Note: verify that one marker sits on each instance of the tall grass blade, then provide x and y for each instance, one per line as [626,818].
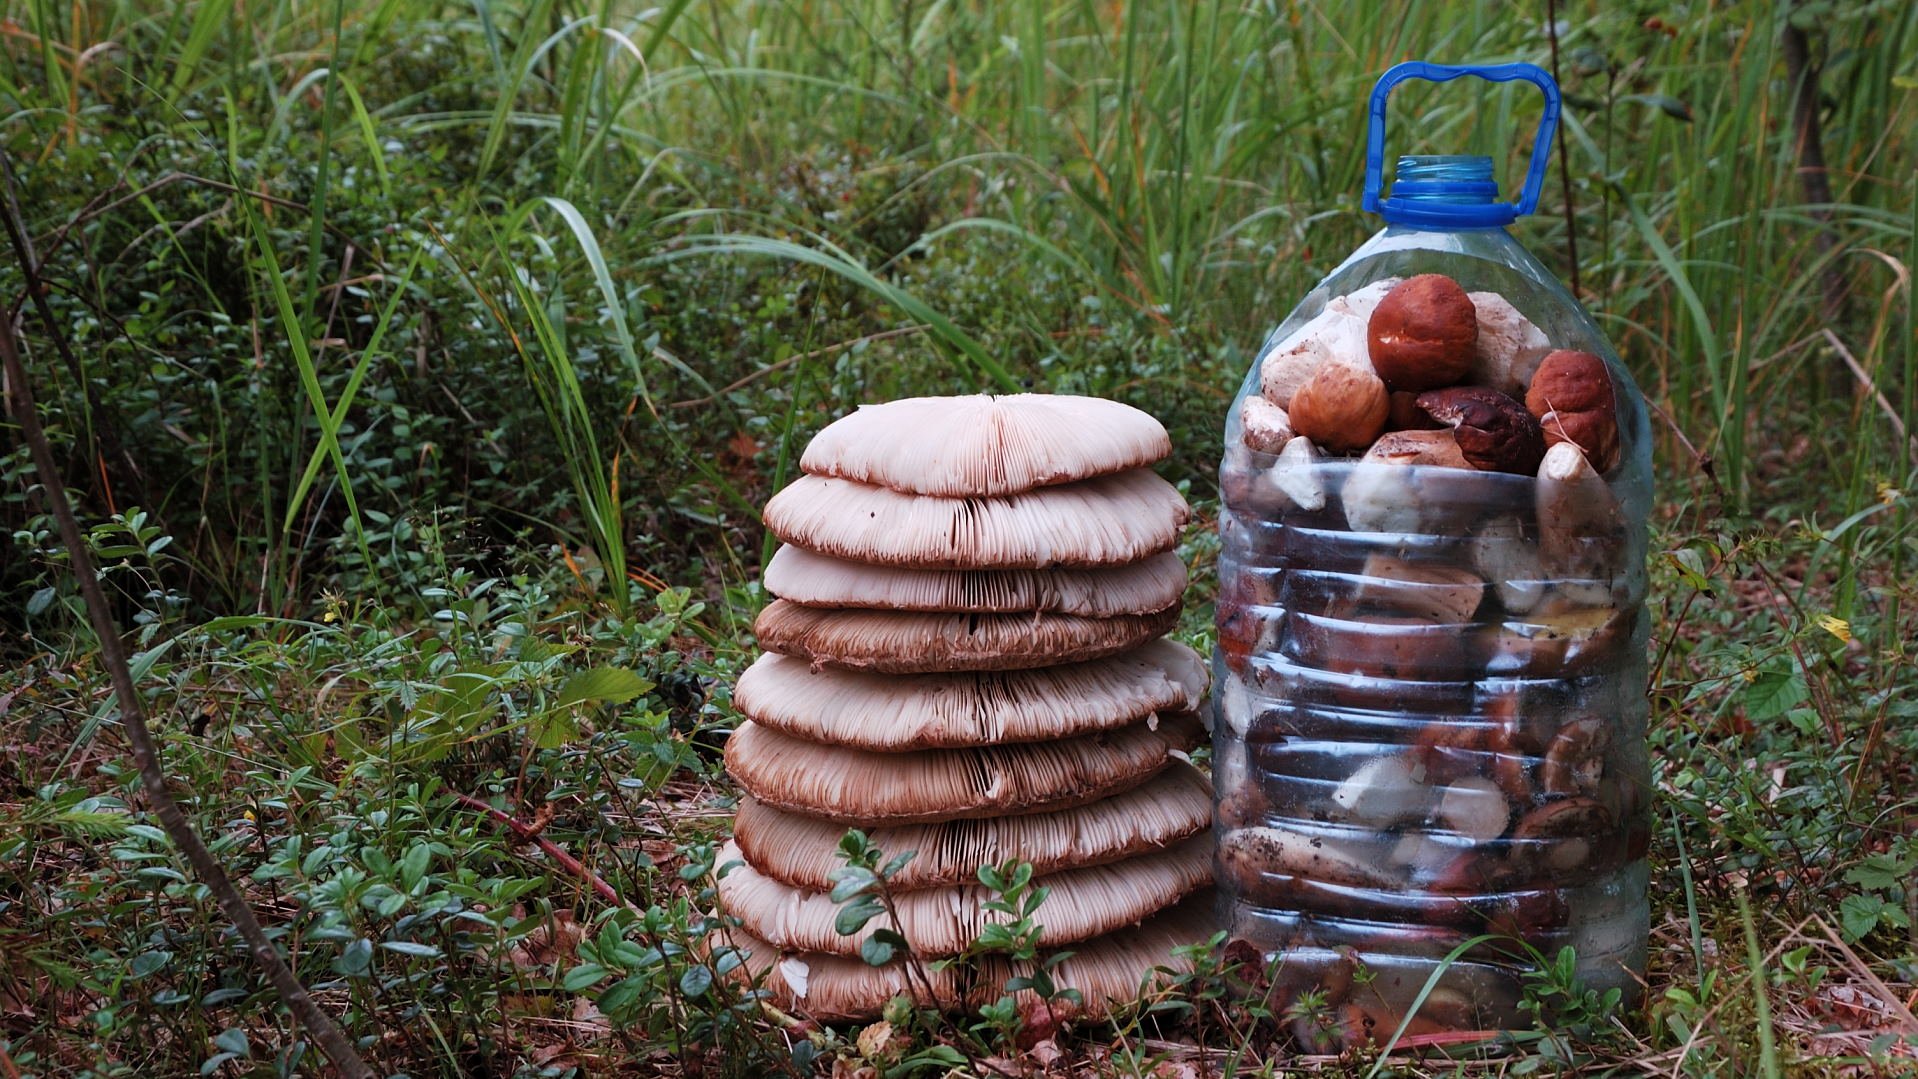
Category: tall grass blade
[332,419]
[843,265]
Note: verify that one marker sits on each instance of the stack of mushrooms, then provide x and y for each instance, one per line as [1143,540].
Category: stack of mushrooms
[964,660]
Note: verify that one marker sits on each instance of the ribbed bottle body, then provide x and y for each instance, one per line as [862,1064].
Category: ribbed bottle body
[1429,747]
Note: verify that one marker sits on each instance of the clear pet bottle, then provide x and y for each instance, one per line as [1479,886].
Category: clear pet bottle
[1429,748]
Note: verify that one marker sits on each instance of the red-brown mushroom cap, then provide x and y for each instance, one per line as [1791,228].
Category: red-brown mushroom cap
[1423,333]
[1573,397]
[894,713]
[1107,970]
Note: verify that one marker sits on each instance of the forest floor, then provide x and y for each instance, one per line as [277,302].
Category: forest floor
[425,366]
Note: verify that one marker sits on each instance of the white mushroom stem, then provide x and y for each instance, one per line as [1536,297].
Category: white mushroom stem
[1580,523]
[1360,303]
[1475,808]
[1506,558]
[1296,475]
[1423,854]
[1383,793]
[1382,493]
[1235,700]
[1265,426]
[1300,854]
[1510,347]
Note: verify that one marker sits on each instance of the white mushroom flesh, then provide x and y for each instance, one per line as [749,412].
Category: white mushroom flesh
[1383,793]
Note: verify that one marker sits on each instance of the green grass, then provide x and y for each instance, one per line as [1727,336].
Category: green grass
[430,357]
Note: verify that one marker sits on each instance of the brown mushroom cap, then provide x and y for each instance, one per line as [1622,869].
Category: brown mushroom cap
[1104,521]
[985,444]
[863,789]
[1423,334]
[945,921]
[1332,337]
[1572,396]
[817,580]
[803,852]
[1494,431]
[1106,970]
[894,713]
[909,642]
[1340,408]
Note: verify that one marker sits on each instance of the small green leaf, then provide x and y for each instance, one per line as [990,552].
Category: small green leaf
[854,915]
[850,881]
[898,863]
[1860,914]
[622,994]
[696,981]
[232,1040]
[148,963]
[414,948]
[584,976]
[880,948]
[355,958]
[414,865]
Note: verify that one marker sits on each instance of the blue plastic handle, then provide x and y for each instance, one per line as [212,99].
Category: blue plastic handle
[1418,69]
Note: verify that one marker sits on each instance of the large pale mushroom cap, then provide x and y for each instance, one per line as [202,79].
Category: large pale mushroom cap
[892,713]
[908,642]
[945,921]
[803,852]
[817,580]
[1107,521]
[862,789]
[985,444]
[1107,971]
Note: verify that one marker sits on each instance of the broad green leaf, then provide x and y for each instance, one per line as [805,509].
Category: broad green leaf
[1774,690]
[1879,871]
[608,685]
[584,976]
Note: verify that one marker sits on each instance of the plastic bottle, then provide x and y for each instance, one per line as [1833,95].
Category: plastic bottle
[1429,751]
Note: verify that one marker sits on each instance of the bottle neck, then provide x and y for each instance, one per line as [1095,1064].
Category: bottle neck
[1445,191]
